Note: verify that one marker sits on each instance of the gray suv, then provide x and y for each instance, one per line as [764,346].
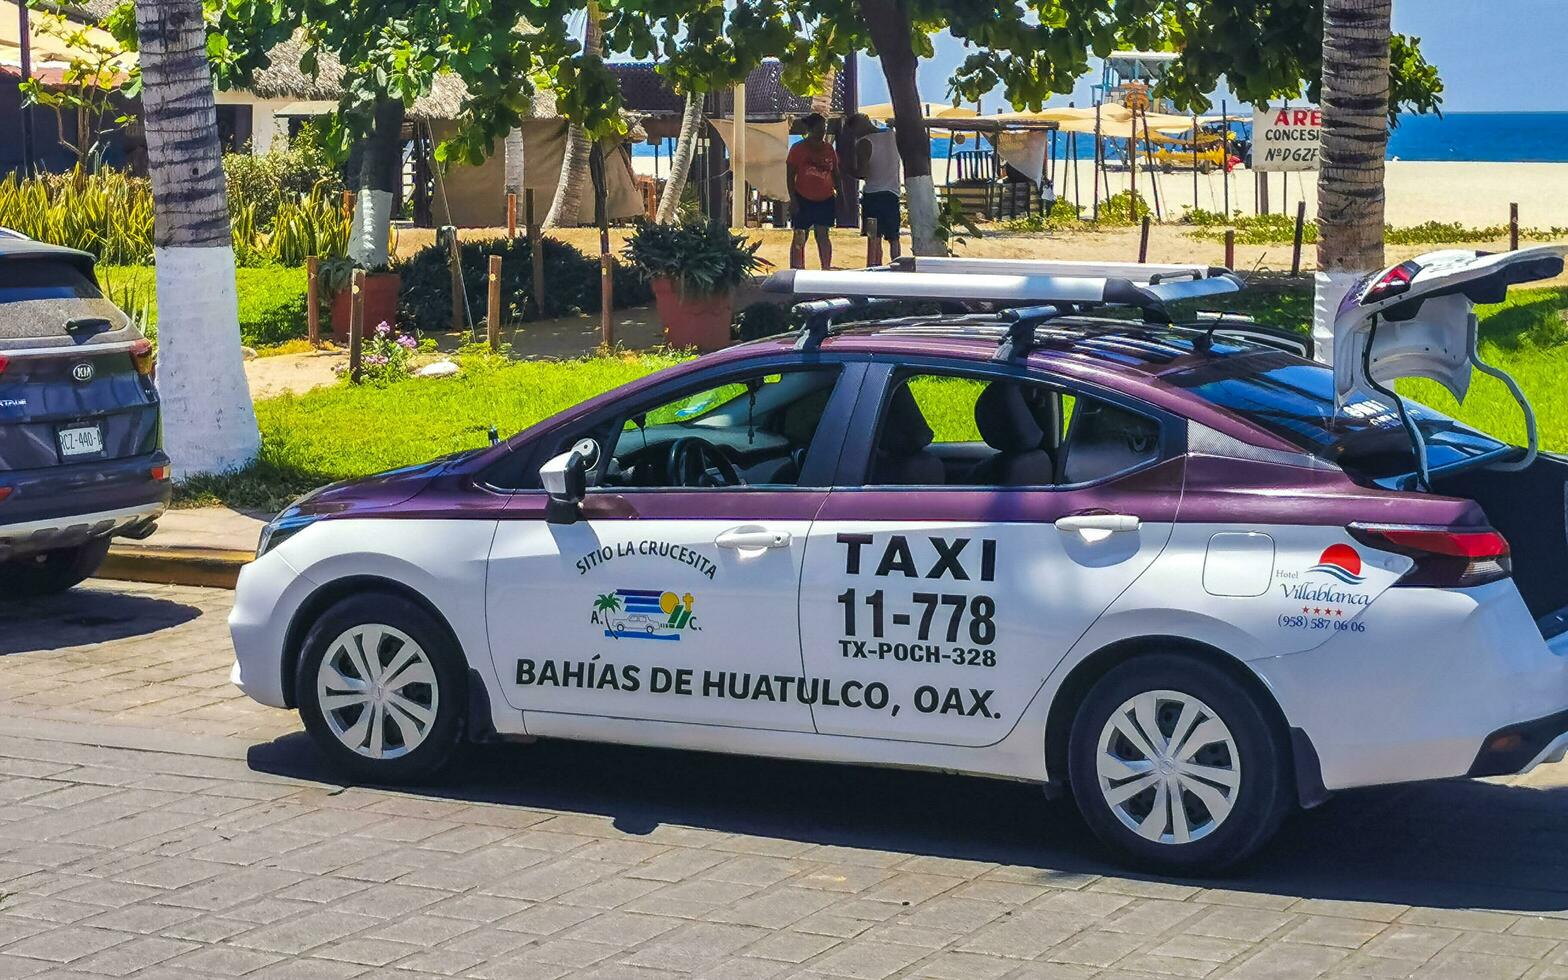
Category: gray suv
[81,457]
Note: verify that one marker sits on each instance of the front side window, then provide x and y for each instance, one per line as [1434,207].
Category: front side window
[956,430]
[752,431]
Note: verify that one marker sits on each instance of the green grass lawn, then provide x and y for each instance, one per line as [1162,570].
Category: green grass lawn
[339,432]
[271,299]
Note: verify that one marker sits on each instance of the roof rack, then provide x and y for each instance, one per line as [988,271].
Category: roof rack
[1147,288]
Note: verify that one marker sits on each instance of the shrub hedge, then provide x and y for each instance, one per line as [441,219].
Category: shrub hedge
[425,300]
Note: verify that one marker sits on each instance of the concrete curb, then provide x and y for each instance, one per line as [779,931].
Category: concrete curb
[216,568]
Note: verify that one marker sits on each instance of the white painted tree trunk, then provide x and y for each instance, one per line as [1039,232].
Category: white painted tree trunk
[514,162]
[920,196]
[1356,39]
[680,163]
[887,21]
[209,424]
[380,170]
[566,208]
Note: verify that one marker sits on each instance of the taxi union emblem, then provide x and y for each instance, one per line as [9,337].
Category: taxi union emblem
[643,614]
[82,371]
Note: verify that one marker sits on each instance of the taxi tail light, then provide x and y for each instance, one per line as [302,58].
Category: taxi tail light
[4,363]
[161,472]
[1445,557]
[143,357]
[1393,282]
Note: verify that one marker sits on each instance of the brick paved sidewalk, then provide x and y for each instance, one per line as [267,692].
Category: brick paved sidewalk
[237,854]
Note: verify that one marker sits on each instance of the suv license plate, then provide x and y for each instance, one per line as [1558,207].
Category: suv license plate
[81,441]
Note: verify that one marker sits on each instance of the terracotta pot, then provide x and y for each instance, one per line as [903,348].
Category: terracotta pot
[380,304]
[693,319]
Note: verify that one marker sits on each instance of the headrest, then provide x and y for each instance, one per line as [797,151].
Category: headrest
[1004,419]
[904,430]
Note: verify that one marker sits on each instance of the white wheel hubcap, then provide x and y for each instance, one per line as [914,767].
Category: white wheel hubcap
[1168,767]
[377,691]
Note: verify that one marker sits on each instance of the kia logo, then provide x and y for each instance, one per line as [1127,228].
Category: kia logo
[82,371]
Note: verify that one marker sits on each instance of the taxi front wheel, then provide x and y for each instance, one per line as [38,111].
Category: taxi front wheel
[380,688]
[1176,766]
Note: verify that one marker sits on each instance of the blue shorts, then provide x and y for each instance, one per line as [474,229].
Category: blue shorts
[814,214]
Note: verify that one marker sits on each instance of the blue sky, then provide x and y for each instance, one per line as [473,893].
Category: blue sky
[1494,55]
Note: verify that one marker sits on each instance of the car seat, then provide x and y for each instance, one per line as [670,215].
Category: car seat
[901,457]
[1104,440]
[1008,425]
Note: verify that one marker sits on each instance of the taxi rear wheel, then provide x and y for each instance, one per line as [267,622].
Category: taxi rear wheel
[380,687]
[1176,766]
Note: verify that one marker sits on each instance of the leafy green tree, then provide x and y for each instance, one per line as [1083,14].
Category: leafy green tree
[392,51]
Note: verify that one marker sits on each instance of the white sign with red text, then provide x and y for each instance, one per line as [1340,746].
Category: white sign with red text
[1286,137]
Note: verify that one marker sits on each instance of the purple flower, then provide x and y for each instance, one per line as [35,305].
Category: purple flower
[375,359]
[406,342]
[383,329]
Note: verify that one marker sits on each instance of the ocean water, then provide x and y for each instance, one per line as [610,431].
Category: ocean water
[1482,136]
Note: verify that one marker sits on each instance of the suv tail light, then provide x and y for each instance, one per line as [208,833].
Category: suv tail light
[143,357]
[1446,557]
[1393,282]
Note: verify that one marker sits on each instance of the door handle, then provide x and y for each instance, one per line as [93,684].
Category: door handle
[752,538]
[1110,523]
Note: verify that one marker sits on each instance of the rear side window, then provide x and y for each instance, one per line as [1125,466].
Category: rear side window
[1294,399]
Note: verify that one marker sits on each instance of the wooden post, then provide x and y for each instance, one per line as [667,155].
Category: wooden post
[606,294]
[1143,241]
[873,244]
[535,249]
[356,325]
[1154,177]
[1295,252]
[348,204]
[1230,248]
[1225,152]
[454,261]
[493,307]
[511,214]
[1262,178]
[1513,227]
[313,300]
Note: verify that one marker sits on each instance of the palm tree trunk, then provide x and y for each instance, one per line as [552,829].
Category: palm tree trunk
[209,424]
[566,209]
[1356,38]
[380,165]
[680,163]
[889,26]
[822,103]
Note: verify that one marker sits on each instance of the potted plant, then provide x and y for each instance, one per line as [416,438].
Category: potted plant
[694,267]
[381,291]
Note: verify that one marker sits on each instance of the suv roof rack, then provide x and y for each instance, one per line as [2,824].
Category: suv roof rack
[1023,283]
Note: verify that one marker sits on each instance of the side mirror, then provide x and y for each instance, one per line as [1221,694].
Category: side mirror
[565,477]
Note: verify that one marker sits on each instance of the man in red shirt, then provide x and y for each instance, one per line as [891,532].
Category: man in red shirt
[812,171]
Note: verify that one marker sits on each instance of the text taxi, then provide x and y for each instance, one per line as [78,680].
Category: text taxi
[1168,567]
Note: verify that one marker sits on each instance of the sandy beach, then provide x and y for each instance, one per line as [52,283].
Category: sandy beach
[1472,194]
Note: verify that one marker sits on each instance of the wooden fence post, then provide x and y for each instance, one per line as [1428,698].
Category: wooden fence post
[1513,227]
[511,214]
[348,205]
[535,250]
[493,308]
[356,325]
[873,244]
[454,261]
[1295,251]
[313,300]
[1230,248]
[1143,241]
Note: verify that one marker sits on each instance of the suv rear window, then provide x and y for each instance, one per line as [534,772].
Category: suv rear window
[1294,399]
[38,296]
[44,279]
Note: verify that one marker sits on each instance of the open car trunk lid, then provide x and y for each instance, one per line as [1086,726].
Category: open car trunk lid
[1417,319]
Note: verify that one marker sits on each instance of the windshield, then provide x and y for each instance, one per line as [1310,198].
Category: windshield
[1294,399]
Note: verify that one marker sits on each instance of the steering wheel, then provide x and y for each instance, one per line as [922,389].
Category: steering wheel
[695,462]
